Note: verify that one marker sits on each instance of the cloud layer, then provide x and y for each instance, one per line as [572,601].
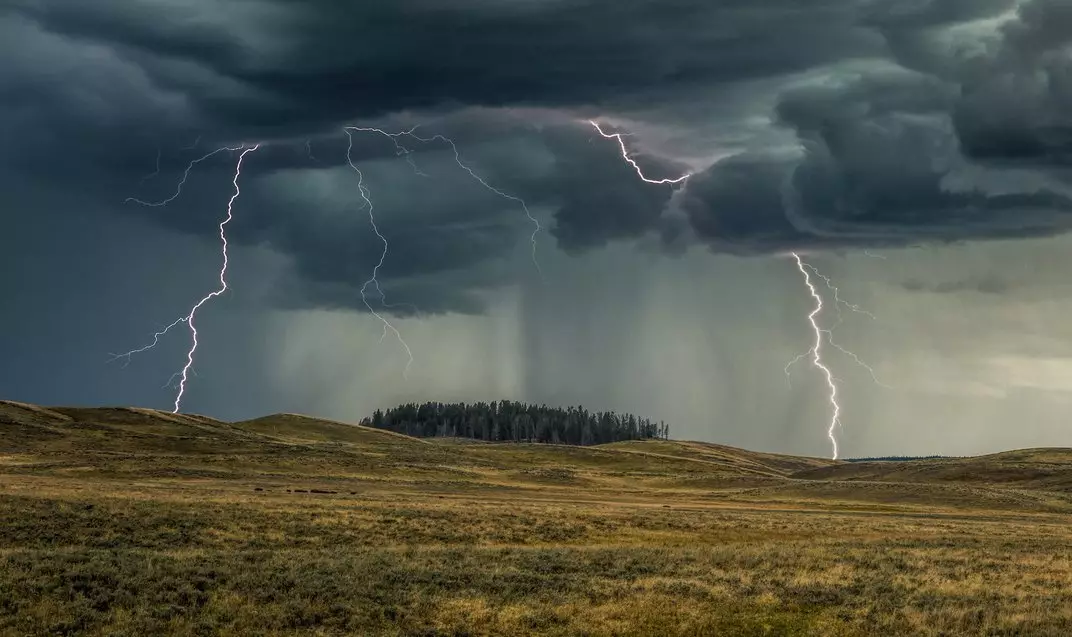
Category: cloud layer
[823,125]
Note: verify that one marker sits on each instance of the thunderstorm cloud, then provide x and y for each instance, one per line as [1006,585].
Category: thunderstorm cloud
[817,126]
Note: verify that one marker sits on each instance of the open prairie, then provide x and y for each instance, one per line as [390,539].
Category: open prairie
[137,522]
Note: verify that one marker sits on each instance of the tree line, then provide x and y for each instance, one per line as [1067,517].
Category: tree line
[894,458]
[509,421]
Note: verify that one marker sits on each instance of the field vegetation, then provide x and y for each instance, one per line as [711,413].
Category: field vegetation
[136,522]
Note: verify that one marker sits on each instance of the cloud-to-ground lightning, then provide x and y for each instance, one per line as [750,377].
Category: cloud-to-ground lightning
[223,278]
[373,280]
[189,319]
[821,334]
[632,162]
[816,353]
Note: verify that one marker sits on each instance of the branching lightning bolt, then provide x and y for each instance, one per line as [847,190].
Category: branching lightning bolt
[632,162]
[816,353]
[827,334]
[821,334]
[400,150]
[223,279]
[364,192]
[184,374]
[156,341]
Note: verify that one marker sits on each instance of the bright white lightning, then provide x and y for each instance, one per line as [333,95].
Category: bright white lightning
[189,318]
[632,162]
[223,279]
[364,192]
[816,352]
[829,332]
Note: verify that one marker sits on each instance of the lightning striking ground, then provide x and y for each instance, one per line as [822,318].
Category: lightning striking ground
[184,373]
[806,270]
[223,279]
[364,192]
[816,353]
[632,162]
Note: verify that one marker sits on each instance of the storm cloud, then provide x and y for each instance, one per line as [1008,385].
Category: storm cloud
[826,127]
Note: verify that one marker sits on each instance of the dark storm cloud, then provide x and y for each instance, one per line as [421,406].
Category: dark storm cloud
[877,158]
[326,60]
[1016,96]
[93,89]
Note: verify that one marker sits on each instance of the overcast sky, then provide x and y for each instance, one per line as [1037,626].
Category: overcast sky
[917,152]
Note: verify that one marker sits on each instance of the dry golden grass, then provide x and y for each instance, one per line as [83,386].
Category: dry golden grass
[132,522]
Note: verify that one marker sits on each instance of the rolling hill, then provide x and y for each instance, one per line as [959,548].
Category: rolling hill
[128,442]
[135,521]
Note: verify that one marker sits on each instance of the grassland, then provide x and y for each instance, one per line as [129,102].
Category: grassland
[136,522]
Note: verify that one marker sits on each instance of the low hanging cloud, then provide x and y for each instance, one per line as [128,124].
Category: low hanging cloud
[880,105]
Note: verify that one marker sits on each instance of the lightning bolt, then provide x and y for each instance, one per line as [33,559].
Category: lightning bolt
[364,192]
[193,145]
[156,341]
[632,162]
[184,373]
[400,150]
[309,149]
[821,334]
[816,352]
[223,279]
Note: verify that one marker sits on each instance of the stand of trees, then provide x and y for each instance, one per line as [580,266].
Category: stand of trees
[893,458]
[508,421]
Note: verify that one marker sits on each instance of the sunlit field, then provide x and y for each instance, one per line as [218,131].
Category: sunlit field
[133,522]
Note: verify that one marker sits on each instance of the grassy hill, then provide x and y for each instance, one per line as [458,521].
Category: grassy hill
[136,521]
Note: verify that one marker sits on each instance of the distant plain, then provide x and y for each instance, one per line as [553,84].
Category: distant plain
[121,521]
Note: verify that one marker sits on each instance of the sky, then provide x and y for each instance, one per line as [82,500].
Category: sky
[916,152]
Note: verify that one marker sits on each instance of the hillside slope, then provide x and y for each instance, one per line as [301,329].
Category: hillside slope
[131,443]
[1047,469]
